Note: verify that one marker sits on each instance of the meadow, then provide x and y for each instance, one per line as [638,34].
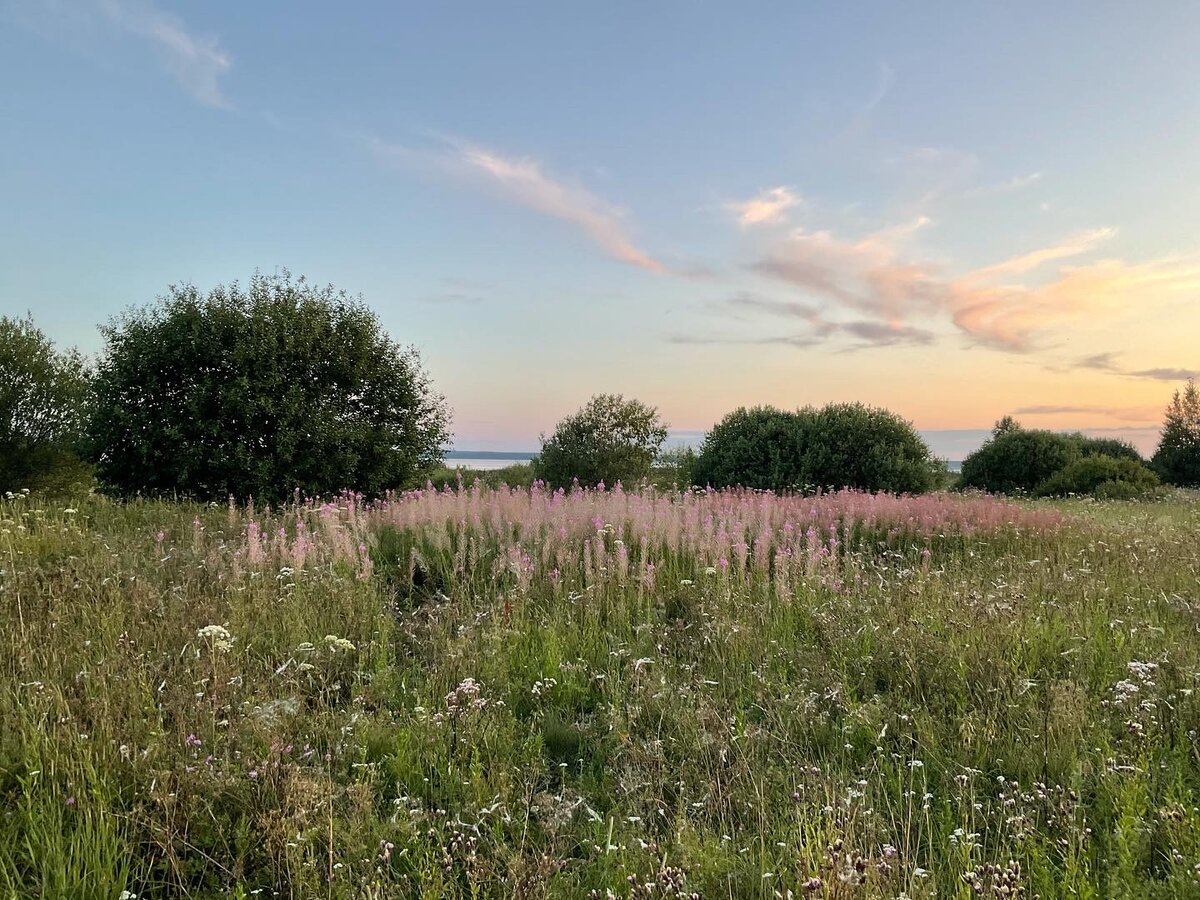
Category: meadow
[494,692]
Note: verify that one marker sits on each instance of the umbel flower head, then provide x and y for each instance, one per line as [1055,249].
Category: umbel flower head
[218,638]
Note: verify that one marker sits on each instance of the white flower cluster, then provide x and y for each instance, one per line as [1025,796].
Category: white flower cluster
[338,644]
[218,638]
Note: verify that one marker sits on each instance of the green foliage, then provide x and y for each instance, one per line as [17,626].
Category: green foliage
[517,475]
[259,391]
[839,445]
[1034,461]
[1094,446]
[1014,696]
[609,440]
[674,469]
[1018,460]
[1177,459]
[1106,477]
[759,448]
[44,396]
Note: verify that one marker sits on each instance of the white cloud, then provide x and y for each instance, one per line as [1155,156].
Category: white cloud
[197,63]
[767,208]
[524,182]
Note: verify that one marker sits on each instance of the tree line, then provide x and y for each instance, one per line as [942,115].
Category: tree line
[281,386]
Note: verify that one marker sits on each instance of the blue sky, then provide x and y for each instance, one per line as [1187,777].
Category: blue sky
[957,211]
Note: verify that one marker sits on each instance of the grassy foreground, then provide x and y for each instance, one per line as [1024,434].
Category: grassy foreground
[508,693]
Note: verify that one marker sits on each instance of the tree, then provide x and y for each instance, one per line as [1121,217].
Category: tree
[1018,460]
[610,439]
[1177,459]
[839,445]
[43,403]
[258,392]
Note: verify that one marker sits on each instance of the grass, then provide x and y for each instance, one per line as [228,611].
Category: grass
[502,693]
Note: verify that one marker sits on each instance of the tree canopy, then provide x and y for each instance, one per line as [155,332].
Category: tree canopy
[259,391]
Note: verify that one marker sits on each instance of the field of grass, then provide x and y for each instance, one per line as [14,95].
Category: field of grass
[518,694]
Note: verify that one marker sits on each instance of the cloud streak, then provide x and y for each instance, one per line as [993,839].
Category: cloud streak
[992,305]
[524,182]
[768,208]
[196,63]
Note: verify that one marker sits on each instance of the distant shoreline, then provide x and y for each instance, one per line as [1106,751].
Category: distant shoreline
[515,455]
[520,456]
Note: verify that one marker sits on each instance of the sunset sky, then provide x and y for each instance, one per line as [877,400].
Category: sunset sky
[957,211]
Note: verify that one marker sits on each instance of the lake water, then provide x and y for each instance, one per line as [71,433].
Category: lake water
[488,463]
[491,463]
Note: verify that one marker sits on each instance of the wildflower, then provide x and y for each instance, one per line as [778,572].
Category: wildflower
[218,637]
[685,582]
[337,644]
[710,570]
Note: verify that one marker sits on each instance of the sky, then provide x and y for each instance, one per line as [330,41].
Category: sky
[955,211]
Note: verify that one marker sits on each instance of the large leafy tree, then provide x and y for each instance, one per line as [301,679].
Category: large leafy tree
[44,395]
[610,439]
[1177,459]
[260,391]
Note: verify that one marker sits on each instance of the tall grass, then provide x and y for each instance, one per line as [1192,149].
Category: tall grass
[518,693]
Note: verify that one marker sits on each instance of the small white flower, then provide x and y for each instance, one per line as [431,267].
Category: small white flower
[337,644]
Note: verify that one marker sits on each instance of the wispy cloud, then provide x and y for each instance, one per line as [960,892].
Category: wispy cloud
[865,274]
[768,208]
[1076,245]
[524,182]
[885,78]
[863,333]
[197,63]
[1104,362]
[1011,185]
[1011,316]
[1166,374]
[879,276]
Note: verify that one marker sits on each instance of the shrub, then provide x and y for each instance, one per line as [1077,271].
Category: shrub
[1094,446]
[867,448]
[674,469]
[610,439]
[260,391]
[1106,477]
[44,395]
[759,448]
[1017,460]
[1177,459]
[840,445]
[517,475]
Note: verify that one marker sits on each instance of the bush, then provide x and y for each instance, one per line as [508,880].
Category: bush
[759,448]
[840,445]
[517,475]
[1093,446]
[674,469]
[260,391]
[1105,477]
[1016,460]
[44,394]
[871,449]
[1177,459]
[610,439]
